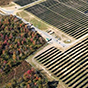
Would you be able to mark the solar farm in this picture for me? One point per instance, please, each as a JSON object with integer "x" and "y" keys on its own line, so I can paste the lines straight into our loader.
{"x": 24, "y": 2}
{"x": 77, "y": 4}
{"x": 64, "y": 57}
{"x": 70, "y": 17}
{"x": 69, "y": 66}
{"x": 63, "y": 14}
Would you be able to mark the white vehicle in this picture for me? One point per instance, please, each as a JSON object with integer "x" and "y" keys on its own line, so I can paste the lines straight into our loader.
{"x": 51, "y": 33}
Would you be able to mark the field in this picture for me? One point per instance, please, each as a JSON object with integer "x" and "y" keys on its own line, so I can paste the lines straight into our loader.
{"x": 24, "y": 2}
{"x": 69, "y": 66}
{"x": 28, "y": 17}
{"x": 72, "y": 21}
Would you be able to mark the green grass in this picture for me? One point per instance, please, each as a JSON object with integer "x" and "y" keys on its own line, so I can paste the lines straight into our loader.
{"x": 38, "y": 24}
{"x": 33, "y": 20}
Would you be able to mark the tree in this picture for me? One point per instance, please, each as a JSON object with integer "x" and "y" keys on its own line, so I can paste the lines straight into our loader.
{"x": 5, "y": 2}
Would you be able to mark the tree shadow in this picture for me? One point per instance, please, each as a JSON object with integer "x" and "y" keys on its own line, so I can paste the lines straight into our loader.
{"x": 53, "y": 84}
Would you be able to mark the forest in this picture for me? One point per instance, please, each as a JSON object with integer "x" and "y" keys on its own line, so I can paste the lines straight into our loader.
{"x": 17, "y": 42}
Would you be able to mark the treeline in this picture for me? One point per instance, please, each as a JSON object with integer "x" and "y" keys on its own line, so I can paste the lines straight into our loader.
{"x": 17, "y": 42}
{"x": 5, "y": 2}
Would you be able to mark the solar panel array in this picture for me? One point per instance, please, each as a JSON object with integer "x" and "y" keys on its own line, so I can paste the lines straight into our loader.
{"x": 71, "y": 21}
{"x": 80, "y": 5}
{"x": 71, "y": 66}
{"x": 24, "y": 2}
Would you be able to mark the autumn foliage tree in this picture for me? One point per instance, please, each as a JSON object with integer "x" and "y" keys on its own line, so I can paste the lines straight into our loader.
{"x": 17, "y": 41}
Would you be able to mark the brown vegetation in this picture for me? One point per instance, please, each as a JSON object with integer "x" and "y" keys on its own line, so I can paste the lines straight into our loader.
{"x": 5, "y": 2}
